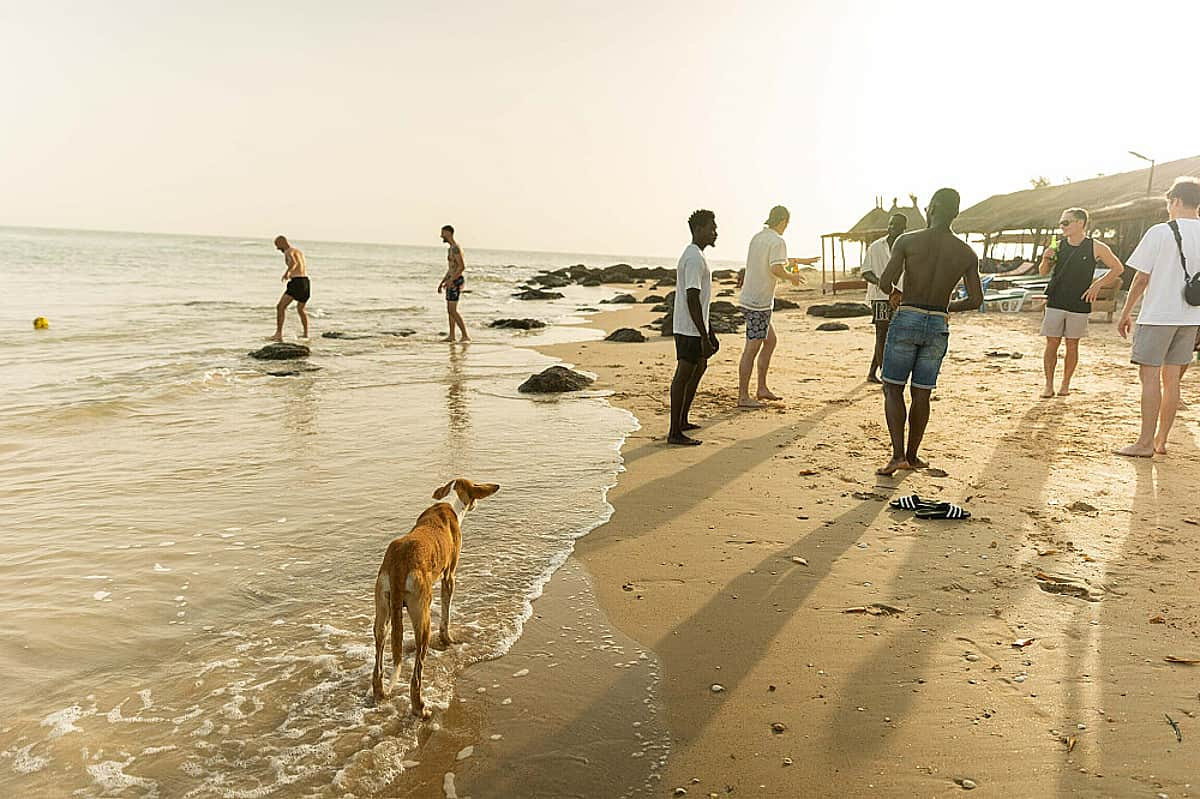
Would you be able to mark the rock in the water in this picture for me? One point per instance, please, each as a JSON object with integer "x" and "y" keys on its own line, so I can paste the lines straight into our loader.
{"x": 590, "y": 282}
{"x": 278, "y": 351}
{"x": 554, "y": 380}
{"x": 620, "y": 299}
{"x": 400, "y": 333}
{"x": 723, "y": 274}
{"x": 785, "y": 305}
{"x": 538, "y": 294}
{"x": 833, "y": 326}
{"x": 625, "y": 334}
{"x": 340, "y": 335}
{"x": 653, "y": 298}
{"x": 551, "y": 280}
{"x": 840, "y": 310}
{"x": 519, "y": 324}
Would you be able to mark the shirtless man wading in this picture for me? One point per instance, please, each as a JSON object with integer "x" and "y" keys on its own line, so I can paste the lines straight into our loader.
{"x": 298, "y": 287}
{"x": 932, "y": 262}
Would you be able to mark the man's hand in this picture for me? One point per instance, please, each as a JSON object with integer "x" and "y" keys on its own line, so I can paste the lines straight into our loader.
{"x": 793, "y": 278}
{"x": 441, "y": 286}
{"x": 1124, "y": 324}
{"x": 1092, "y": 293}
{"x": 896, "y": 298}
{"x": 709, "y": 346}
{"x": 804, "y": 261}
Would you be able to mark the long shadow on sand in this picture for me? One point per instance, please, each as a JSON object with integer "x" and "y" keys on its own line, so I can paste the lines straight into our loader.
{"x": 748, "y": 624}
{"x": 888, "y": 679}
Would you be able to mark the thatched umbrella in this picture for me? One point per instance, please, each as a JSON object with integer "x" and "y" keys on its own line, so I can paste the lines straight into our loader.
{"x": 870, "y": 227}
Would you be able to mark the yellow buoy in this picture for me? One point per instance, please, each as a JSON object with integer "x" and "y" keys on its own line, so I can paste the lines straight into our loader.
{"x": 41, "y": 323}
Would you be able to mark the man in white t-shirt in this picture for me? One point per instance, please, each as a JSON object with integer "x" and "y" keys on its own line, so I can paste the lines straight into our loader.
{"x": 875, "y": 261}
{"x": 694, "y": 342}
{"x": 1166, "y": 327}
{"x": 766, "y": 264}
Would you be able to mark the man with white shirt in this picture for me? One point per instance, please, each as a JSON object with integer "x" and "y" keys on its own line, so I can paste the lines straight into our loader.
{"x": 766, "y": 264}
{"x": 1167, "y": 325}
{"x": 694, "y": 342}
{"x": 876, "y": 260}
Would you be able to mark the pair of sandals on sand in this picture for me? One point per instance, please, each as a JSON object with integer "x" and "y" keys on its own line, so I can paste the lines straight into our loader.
{"x": 925, "y": 509}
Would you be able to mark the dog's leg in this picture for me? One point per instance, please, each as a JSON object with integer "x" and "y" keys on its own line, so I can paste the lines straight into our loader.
{"x": 419, "y": 609}
{"x": 382, "y": 611}
{"x": 447, "y": 595}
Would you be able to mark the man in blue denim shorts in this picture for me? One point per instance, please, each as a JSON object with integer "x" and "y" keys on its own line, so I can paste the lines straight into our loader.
{"x": 932, "y": 262}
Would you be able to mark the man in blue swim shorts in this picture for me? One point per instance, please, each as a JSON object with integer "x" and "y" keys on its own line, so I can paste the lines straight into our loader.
{"x": 932, "y": 262}
{"x": 452, "y": 283}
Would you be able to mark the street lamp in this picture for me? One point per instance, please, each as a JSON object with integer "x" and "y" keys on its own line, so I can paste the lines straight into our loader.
{"x": 1150, "y": 182}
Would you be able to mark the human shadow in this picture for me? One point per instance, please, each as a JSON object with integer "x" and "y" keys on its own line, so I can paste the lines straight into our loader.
{"x": 892, "y": 681}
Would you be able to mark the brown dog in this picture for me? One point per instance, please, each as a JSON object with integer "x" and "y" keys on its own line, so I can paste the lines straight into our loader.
{"x": 412, "y": 565}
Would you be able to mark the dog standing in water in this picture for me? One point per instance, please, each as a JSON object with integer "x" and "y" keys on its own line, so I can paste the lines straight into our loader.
{"x": 412, "y": 564}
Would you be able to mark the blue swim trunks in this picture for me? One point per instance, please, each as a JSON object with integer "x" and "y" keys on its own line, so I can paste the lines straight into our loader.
{"x": 916, "y": 344}
{"x": 757, "y": 324}
{"x": 455, "y": 289}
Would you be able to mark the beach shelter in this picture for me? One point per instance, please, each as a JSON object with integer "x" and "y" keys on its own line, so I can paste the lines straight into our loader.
{"x": 870, "y": 227}
{"x": 1121, "y": 207}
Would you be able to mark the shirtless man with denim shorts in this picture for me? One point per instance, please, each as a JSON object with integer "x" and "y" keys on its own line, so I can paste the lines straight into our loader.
{"x": 932, "y": 262}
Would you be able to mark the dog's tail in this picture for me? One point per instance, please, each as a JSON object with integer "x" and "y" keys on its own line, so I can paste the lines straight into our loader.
{"x": 396, "y": 607}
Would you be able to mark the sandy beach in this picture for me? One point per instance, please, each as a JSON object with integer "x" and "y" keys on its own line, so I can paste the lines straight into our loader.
{"x": 738, "y": 564}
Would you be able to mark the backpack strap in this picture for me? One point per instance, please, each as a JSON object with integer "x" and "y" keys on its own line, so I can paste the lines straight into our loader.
{"x": 1179, "y": 243}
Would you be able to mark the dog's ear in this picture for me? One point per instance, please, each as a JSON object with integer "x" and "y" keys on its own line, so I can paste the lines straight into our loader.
{"x": 443, "y": 491}
{"x": 481, "y": 490}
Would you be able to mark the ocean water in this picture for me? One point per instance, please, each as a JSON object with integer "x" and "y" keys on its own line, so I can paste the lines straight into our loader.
{"x": 190, "y": 543}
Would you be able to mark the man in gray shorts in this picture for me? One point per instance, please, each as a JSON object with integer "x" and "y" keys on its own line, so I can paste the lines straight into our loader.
{"x": 1071, "y": 266}
{"x": 1167, "y": 325}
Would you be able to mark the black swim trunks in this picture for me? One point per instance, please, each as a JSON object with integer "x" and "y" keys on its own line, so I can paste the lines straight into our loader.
{"x": 299, "y": 289}
{"x": 687, "y": 348}
{"x": 455, "y": 289}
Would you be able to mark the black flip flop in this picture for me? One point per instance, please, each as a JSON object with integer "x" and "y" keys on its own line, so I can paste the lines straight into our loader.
{"x": 942, "y": 510}
{"x": 911, "y": 502}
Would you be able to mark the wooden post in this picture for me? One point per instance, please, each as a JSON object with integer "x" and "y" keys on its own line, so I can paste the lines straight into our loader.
{"x": 822, "y": 264}
{"x": 845, "y": 263}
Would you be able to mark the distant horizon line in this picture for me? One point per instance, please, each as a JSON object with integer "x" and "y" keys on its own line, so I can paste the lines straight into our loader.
{"x": 331, "y": 241}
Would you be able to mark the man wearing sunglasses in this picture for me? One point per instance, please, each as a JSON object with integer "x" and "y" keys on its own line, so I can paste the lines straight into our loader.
{"x": 1072, "y": 290}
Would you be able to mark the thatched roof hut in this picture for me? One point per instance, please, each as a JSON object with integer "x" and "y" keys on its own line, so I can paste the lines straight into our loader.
{"x": 872, "y": 226}
{"x": 1120, "y": 205}
{"x": 874, "y": 223}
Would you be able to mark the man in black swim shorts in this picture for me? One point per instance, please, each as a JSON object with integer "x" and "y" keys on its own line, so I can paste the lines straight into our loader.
{"x": 298, "y": 287}
{"x": 453, "y": 282}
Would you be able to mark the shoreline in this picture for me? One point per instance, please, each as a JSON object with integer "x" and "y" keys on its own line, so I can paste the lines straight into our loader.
{"x": 696, "y": 566}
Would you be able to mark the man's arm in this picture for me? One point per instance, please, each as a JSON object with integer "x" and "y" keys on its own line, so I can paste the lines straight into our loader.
{"x": 1115, "y": 269}
{"x": 1045, "y": 266}
{"x": 1136, "y": 289}
{"x": 974, "y": 289}
{"x": 289, "y": 262}
{"x": 781, "y": 273}
{"x": 895, "y": 266}
{"x": 697, "y": 313}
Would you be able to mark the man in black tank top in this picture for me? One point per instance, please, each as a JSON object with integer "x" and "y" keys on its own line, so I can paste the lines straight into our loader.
{"x": 1071, "y": 264}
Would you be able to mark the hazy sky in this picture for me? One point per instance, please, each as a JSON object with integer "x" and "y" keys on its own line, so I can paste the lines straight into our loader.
{"x": 567, "y": 126}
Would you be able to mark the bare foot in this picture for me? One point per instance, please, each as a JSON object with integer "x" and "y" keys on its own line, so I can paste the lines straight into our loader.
{"x": 767, "y": 394}
{"x": 1135, "y": 451}
{"x": 1160, "y": 448}
{"x": 915, "y": 463}
{"x": 684, "y": 441}
{"x": 448, "y": 338}
{"x": 894, "y": 465}
{"x": 1047, "y": 392}
{"x": 873, "y": 379}
{"x": 689, "y": 426}
{"x": 1065, "y": 391}
{"x": 749, "y": 403}
{"x": 277, "y": 338}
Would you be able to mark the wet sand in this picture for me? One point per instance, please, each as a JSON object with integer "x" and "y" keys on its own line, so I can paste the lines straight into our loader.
{"x": 981, "y": 674}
